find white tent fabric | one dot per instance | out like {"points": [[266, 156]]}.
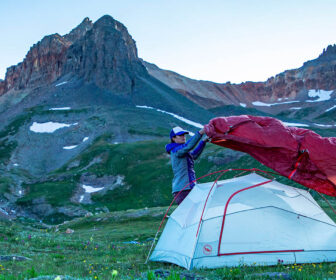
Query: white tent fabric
{"points": [[263, 225]]}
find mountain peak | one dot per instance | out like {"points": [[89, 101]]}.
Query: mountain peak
{"points": [[79, 31], [105, 20], [109, 23], [329, 51], [102, 52], [107, 56]]}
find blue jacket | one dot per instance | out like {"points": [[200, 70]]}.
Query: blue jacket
{"points": [[182, 161]]}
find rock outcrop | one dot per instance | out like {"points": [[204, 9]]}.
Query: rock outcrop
{"points": [[106, 55], [42, 65], [44, 61], [79, 31], [319, 73], [103, 53], [2, 86]]}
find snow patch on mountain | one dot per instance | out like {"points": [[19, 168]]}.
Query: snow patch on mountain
{"points": [[333, 107], [323, 95], [90, 189], [60, 109], [195, 124], [259, 103], [69, 147], [324, 125], [295, 124], [63, 83], [48, 127]]}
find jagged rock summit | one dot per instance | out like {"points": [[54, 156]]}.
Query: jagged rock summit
{"points": [[106, 55], [79, 31], [102, 52]]}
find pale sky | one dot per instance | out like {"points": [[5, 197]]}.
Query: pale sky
{"points": [[215, 40]]}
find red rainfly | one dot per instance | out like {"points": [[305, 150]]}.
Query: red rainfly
{"points": [[297, 153]]}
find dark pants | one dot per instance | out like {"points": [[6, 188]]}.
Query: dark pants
{"points": [[179, 198]]}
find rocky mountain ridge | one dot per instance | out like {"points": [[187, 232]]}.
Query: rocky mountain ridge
{"points": [[44, 61], [317, 74], [103, 53]]}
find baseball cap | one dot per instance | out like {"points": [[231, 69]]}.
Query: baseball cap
{"points": [[177, 131]]}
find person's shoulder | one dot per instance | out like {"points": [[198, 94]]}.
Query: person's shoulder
{"points": [[171, 147], [177, 147]]}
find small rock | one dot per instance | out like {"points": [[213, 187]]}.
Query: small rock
{"points": [[14, 258], [88, 214], [69, 231]]}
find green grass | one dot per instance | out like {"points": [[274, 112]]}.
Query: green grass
{"points": [[100, 246], [5, 183], [7, 146], [325, 132], [302, 113], [327, 116], [55, 193], [284, 114], [160, 131], [146, 170]]}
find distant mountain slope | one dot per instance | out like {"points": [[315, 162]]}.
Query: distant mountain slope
{"points": [[315, 81], [205, 93]]}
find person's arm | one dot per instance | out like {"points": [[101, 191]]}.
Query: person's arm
{"points": [[199, 149], [183, 149]]}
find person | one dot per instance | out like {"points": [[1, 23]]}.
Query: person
{"points": [[182, 160]]}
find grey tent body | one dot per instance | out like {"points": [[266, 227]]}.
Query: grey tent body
{"points": [[265, 223]]}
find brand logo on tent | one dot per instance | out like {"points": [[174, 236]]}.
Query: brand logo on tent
{"points": [[207, 249]]}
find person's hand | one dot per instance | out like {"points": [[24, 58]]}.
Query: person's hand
{"points": [[207, 139], [201, 131]]}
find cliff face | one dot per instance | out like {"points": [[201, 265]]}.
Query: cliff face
{"points": [[103, 53], [319, 73], [2, 86], [43, 64], [79, 31], [44, 61], [107, 56]]}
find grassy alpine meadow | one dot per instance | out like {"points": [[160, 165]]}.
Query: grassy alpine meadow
{"points": [[114, 245]]}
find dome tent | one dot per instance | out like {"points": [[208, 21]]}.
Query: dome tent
{"points": [[246, 220]]}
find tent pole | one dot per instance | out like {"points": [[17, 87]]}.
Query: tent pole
{"points": [[150, 250]]}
